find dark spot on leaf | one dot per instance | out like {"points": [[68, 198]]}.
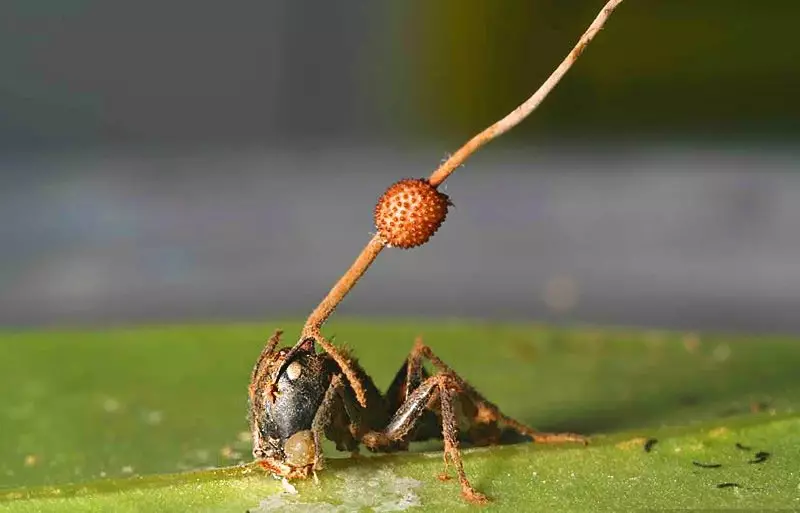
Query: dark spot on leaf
{"points": [[649, 444], [706, 465], [761, 457], [729, 485], [743, 447]]}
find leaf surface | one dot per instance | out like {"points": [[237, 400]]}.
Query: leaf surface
{"points": [[153, 418]]}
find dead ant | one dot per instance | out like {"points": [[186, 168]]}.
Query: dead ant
{"points": [[297, 396]]}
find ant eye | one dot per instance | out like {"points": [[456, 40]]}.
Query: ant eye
{"points": [[294, 370]]}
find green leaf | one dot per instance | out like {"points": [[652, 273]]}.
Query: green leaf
{"points": [[151, 419]]}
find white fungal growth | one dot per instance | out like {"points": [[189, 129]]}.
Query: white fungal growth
{"points": [[288, 487], [355, 490]]}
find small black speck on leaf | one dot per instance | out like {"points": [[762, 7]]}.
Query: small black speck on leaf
{"points": [[649, 444], [729, 485], [743, 447], [706, 465], [760, 457]]}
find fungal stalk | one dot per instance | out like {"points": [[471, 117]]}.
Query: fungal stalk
{"points": [[410, 211]]}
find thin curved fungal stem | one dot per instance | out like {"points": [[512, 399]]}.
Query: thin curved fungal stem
{"points": [[528, 106], [342, 287], [375, 246]]}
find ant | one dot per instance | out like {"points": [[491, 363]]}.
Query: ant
{"points": [[298, 395]]}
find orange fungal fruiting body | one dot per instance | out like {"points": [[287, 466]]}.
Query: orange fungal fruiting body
{"points": [[410, 212]]}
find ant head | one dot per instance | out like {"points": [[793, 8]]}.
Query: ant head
{"points": [[286, 390]]}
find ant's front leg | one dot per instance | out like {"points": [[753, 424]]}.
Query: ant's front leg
{"points": [[334, 418]]}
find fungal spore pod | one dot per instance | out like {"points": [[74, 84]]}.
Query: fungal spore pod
{"points": [[409, 213]]}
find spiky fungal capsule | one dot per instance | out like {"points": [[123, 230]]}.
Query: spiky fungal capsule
{"points": [[410, 212]]}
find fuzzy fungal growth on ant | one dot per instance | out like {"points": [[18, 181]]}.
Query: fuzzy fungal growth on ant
{"points": [[313, 390]]}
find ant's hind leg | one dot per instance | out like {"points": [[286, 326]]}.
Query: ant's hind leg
{"points": [[443, 389], [409, 377], [482, 413]]}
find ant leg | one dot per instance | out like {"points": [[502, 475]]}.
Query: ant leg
{"points": [[445, 388], [323, 418], [339, 427], [259, 374], [486, 414], [341, 357], [447, 392], [408, 378], [407, 415]]}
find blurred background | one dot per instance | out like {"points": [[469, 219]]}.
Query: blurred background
{"points": [[172, 161]]}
